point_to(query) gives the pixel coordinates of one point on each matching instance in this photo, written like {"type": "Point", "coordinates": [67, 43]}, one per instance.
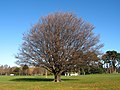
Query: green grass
{"type": "Point", "coordinates": [87, 82]}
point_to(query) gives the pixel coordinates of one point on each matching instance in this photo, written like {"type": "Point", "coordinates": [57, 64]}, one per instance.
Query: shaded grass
{"type": "Point", "coordinates": [87, 82]}
{"type": "Point", "coordinates": [40, 79]}
{"type": "Point", "coordinates": [31, 79]}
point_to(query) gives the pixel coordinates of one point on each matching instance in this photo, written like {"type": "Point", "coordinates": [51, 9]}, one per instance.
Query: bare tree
{"type": "Point", "coordinates": [56, 41]}
{"type": "Point", "coordinates": [4, 69]}
{"type": "Point", "coordinates": [1, 69]}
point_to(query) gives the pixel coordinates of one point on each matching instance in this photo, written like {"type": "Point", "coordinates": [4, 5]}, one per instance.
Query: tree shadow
{"type": "Point", "coordinates": [70, 79]}
{"type": "Point", "coordinates": [38, 79]}
{"type": "Point", "coordinates": [31, 79]}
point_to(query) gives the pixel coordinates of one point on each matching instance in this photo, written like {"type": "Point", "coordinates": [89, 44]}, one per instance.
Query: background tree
{"type": "Point", "coordinates": [16, 71]}
{"type": "Point", "coordinates": [25, 69]}
{"type": "Point", "coordinates": [111, 60]}
{"type": "Point", "coordinates": [4, 69]}
{"type": "Point", "coordinates": [57, 41]}
{"type": "Point", "coordinates": [118, 62]}
{"type": "Point", "coordinates": [1, 70]}
{"type": "Point", "coordinates": [89, 59]}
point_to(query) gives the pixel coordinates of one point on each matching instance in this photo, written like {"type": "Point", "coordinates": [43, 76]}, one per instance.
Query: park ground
{"type": "Point", "coordinates": [83, 82]}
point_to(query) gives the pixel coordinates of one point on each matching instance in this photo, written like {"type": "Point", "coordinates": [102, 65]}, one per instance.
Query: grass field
{"type": "Point", "coordinates": [87, 82]}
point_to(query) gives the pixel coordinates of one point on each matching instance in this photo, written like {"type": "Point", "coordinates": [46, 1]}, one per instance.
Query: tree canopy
{"type": "Point", "coordinates": [58, 42]}
{"type": "Point", "coordinates": [112, 60]}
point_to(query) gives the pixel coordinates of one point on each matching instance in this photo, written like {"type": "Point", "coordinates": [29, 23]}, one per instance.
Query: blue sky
{"type": "Point", "coordinates": [17, 17]}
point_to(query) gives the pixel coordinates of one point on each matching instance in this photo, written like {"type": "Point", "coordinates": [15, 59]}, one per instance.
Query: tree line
{"type": "Point", "coordinates": [108, 62]}
{"type": "Point", "coordinates": [22, 70]}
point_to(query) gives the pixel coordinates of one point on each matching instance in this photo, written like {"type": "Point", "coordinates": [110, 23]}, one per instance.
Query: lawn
{"type": "Point", "coordinates": [87, 82]}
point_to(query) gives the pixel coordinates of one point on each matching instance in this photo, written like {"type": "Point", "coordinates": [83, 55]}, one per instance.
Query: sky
{"type": "Point", "coordinates": [18, 16]}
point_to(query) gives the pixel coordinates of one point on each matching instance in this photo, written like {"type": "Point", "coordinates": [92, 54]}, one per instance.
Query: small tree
{"type": "Point", "coordinates": [16, 71]}
{"type": "Point", "coordinates": [1, 70]}
{"type": "Point", "coordinates": [25, 69]}
{"type": "Point", "coordinates": [57, 41]}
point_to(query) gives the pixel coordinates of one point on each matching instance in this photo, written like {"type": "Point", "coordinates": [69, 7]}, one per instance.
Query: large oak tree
{"type": "Point", "coordinates": [58, 42]}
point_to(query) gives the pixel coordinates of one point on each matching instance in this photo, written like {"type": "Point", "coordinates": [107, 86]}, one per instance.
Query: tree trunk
{"type": "Point", "coordinates": [114, 70]}
{"type": "Point", "coordinates": [79, 72]}
{"type": "Point", "coordinates": [114, 67]}
{"type": "Point", "coordinates": [83, 71]}
{"type": "Point", "coordinates": [57, 78]}
{"type": "Point", "coordinates": [46, 73]}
